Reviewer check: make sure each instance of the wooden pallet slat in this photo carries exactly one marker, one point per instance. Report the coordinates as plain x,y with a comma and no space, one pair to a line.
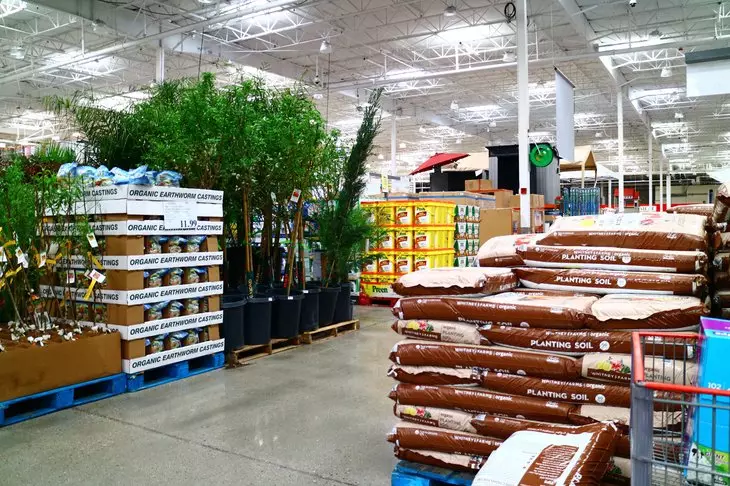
332,330
251,352
31,406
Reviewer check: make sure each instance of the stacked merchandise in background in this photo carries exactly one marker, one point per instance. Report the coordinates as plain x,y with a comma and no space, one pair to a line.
418,235
579,201
472,371
157,277
466,235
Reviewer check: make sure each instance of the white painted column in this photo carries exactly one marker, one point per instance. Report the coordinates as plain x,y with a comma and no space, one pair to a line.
669,191
620,114
651,169
610,193
661,183
393,145
160,64
523,115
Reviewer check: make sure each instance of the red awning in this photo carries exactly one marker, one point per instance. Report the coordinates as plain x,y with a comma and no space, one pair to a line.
437,161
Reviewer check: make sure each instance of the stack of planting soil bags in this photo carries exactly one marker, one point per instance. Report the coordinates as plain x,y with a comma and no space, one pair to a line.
719,275
473,369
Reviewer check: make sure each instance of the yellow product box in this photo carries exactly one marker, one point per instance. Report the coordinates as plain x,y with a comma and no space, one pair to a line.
404,239
370,266
386,263
404,213
404,263
374,287
426,260
431,238
388,241
381,212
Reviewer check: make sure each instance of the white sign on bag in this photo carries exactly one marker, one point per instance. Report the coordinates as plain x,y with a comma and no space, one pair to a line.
137,365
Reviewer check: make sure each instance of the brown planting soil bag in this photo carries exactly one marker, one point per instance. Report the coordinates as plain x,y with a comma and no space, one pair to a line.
435,375
509,309
721,261
720,240
456,462
610,282
616,368
450,355
613,259
579,342
553,293
698,209
455,281
721,298
504,427
476,400
631,312
721,280
721,210
436,417
649,231
411,436
446,331
501,251
538,457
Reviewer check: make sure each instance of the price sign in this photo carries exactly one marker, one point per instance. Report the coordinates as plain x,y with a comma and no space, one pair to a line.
180,215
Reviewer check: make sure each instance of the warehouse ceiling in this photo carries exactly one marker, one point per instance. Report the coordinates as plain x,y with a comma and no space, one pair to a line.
448,67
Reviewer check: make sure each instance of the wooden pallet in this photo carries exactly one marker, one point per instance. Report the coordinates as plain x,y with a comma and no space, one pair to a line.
255,351
330,331
414,474
31,406
174,372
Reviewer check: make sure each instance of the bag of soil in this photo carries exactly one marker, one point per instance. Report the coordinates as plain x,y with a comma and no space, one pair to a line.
517,309
450,355
635,312
411,436
617,259
616,368
610,282
501,251
721,209
434,375
455,281
436,417
433,330
650,231
560,458
705,210
456,462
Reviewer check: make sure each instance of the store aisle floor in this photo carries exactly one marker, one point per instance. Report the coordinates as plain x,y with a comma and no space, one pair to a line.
313,415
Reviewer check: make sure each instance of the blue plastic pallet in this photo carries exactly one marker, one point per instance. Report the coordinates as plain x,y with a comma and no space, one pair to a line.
413,474
174,372
31,406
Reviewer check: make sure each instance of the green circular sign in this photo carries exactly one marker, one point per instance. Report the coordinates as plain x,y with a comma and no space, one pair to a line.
542,155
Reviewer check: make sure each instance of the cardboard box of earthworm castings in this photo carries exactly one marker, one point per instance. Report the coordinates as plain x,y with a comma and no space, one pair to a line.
27,369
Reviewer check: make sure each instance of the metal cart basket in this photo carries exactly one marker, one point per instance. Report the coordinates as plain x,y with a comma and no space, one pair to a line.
678,433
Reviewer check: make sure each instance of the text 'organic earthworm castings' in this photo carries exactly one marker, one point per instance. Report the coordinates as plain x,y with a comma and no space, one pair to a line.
450,355
516,309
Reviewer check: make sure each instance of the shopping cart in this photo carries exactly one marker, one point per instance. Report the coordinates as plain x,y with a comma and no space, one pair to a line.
677,433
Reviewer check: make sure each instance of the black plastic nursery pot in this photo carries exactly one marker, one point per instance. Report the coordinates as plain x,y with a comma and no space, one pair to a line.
286,313
233,320
258,312
309,319
327,303
343,308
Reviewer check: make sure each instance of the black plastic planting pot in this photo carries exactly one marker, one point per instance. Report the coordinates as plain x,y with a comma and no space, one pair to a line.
343,309
309,319
258,313
286,312
233,320
327,303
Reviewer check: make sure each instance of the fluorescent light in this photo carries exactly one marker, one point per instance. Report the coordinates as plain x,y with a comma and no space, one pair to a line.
380,157
317,96
3,145
458,141
678,116
450,11
539,134
402,145
454,105
599,134
325,47
508,57
483,108
492,124
421,129
17,52
666,72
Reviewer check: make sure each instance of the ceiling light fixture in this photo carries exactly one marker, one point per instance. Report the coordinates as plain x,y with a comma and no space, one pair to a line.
655,34
508,57
380,157
402,145
458,141
317,96
206,2
599,134
421,129
666,72
450,11
17,52
492,124
454,105
325,47
678,116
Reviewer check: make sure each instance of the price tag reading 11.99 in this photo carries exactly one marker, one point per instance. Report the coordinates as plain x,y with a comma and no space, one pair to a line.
180,215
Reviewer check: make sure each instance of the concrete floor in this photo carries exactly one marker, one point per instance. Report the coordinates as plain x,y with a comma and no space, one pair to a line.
313,415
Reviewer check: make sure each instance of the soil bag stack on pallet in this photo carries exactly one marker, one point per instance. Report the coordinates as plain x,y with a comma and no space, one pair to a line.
720,257
554,354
